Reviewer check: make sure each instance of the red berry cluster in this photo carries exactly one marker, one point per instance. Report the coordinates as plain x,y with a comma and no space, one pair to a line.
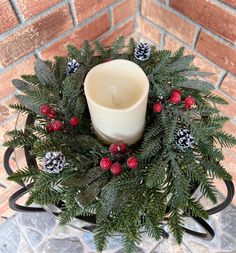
47,110
175,98
55,125
116,167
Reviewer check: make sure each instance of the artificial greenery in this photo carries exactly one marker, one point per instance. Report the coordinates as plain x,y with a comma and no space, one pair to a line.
161,187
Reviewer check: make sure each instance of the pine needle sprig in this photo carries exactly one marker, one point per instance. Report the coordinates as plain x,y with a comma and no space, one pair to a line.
176,224
26,175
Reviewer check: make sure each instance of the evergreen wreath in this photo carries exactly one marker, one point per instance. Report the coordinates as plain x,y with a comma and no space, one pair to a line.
129,188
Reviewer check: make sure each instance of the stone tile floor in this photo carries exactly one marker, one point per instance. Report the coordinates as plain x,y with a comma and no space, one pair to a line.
40,233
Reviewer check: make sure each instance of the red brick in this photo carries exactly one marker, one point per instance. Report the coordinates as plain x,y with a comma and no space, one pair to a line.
217,51
5,127
230,109
230,2
27,39
31,8
124,10
209,15
89,32
7,16
149,30
198,61
85,9
5,110
125,30
229,86
169,21
25,67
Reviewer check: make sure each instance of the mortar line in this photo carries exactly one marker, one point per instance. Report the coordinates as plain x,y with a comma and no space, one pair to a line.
111,18
220,78
195,37
162,40
37,53
17,10
224,6
73,12
137,14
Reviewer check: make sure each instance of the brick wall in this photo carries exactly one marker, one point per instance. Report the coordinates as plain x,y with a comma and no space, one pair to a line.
43,28
207,29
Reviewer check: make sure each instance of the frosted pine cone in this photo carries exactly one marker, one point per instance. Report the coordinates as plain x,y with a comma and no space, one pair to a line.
142,51
183,138
54,162
72,66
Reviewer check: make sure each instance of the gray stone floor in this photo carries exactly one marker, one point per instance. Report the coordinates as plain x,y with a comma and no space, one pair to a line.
40,233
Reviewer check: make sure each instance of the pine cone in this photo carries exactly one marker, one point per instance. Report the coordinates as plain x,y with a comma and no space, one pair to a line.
183,138
72,66
142,51
54,162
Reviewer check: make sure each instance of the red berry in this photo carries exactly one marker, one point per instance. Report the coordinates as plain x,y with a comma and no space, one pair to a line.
157,107
114,148
123,147
74,121
105,163
189,102
45,109
176,91
57,125
52,114
49,128
175,97
116,169
118,147
132,162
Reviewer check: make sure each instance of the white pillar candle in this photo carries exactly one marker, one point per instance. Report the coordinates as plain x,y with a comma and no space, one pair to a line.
116,93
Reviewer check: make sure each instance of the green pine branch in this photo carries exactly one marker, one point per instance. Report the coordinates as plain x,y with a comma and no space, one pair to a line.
20,139
225,139
176,224
27,175
194,208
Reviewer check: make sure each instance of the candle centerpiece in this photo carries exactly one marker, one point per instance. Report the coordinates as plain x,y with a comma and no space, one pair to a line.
153,143
116,93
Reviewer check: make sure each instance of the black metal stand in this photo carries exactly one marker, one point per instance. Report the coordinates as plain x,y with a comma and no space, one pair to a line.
209,232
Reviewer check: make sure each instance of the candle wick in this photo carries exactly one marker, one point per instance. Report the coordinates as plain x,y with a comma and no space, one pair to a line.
116,101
